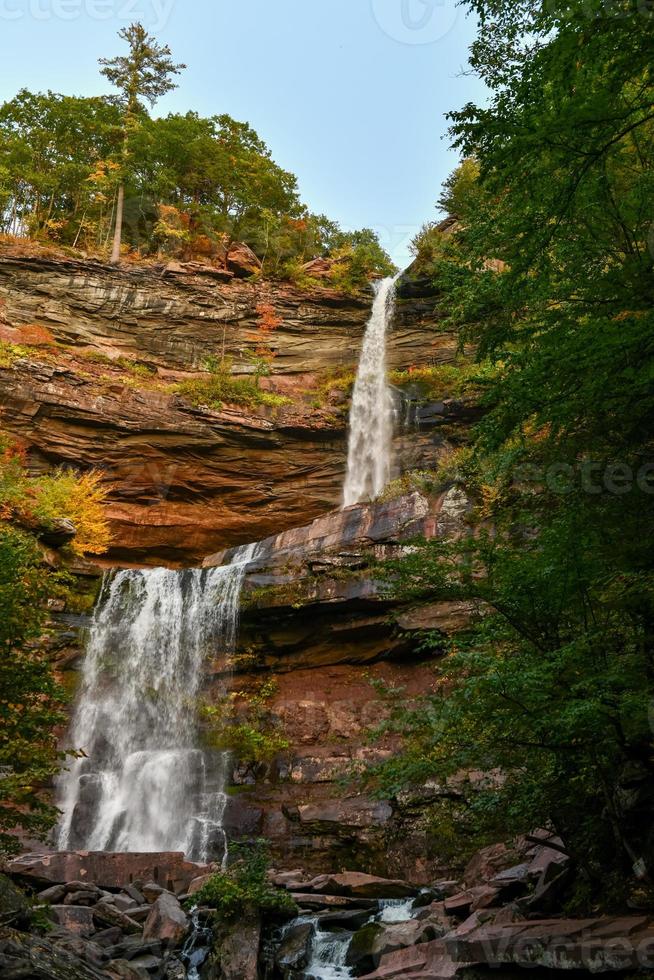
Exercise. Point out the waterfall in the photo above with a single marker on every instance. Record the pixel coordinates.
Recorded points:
(371, 414)
(143, 783)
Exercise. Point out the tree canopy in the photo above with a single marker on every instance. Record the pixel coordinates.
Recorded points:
(102, 175)
(547, 269)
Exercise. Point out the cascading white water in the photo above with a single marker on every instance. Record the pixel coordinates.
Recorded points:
(395, 910)
(143, 783)
(327, 950)
(371, 415)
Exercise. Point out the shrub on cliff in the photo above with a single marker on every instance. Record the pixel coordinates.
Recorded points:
(243, 889)
(243, 723)
(39, 503)
(220, 386)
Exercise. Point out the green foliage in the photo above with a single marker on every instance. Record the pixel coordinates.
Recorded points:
(40, 502)
(192, 185)
(10, 353)
(461, 189)
(339, 380)
(221, 387)
(31, 702)
(461, 379)
(54, 173)
(548, 272)
(79, 498)
(244, 889)
(547, 686)
(144, 73)
(242, 723)
(358, 257)
(415, 481)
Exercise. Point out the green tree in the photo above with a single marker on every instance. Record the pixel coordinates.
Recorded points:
(50, 147)
(144, 73)
(31, 702)
(548, 272)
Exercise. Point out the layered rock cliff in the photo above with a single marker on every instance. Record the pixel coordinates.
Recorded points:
(99, 349)
(92, 358)
(317, 617)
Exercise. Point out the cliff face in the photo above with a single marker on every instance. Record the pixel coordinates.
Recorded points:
(187, 481)
(316, 617)
(94, 354)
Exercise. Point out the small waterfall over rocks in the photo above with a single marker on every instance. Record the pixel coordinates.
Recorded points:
(371, 415)
(143, 784)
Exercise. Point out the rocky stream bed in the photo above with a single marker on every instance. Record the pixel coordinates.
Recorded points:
(104, 916)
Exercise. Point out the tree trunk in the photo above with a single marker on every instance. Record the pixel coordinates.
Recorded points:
(118, 227)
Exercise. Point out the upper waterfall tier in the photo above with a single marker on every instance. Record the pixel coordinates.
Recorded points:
(371, 415)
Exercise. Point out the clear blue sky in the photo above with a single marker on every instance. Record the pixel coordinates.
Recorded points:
(349, 94)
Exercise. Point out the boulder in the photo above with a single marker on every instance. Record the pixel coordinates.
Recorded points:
(53, 895)
(105, 914)
(197, 884)
(108, 937)
(352, 919)
(131, 947)
(480, 897)
(428, 961)
(107, 869)
(167, 920)
(78, 920)
(122, 970)
(361, 886)
(377, 939)
(134, 893)
(488, 862)
(125, 904)
(235, 954)
(242, 261)
(152, 891)
(140, 912)
(90, 952)
(81, 898)
(293, 880)
(13, 903)
(513, 878)
(293, 951)
(602, 945)
(26, 956)
(174, 969)
(310, 900)
(148, 963)
(362, 953)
